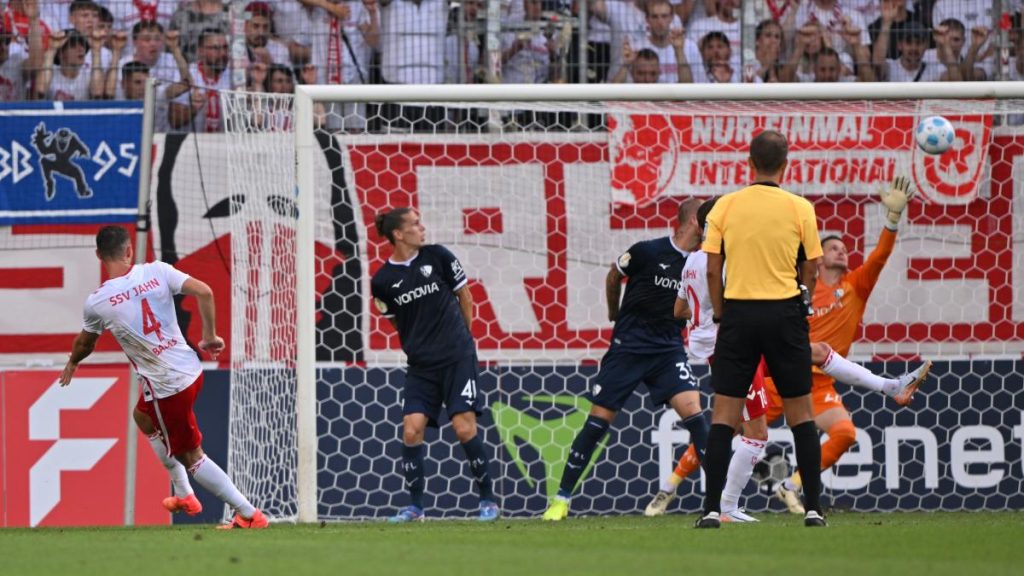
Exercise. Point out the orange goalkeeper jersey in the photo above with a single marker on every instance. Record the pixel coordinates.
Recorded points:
(839, 308)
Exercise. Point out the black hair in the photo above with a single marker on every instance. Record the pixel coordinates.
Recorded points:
(77, 5)
(144, 25)
(390, 221)
(134, 67)
(768, 151)
(647, 54)
(704, 210)
(111, 242)
(274, 68)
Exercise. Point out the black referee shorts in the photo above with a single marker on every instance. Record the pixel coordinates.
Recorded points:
(776, 329)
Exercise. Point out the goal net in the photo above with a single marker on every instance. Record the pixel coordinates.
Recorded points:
(537, 195)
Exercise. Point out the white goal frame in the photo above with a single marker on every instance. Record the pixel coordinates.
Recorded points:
(306, 149)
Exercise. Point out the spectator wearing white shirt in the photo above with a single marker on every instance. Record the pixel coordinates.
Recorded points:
(973, 66)
(719, 66)
(200, 109)
(835, 18)
(526, 54)
(83, 16)
(724, 20)
(769, 43)
(912, 41)
(896, 13)
(628, 22)
(128, 13)
(71, 69)
(191, 19)
(258, 43)
(17, 65)
(676, 53)
(462, 45)
(412, 52)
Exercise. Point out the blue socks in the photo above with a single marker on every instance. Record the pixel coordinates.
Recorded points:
(698, 427)
(412, 469)
(579, 454)
(478, 465)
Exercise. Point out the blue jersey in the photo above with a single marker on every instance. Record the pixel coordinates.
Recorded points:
(418, 296)
(645, 322)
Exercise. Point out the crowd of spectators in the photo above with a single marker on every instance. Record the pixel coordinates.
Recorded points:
(105, 49)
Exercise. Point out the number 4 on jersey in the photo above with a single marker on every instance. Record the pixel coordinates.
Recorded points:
(149, 322)
(469, 392)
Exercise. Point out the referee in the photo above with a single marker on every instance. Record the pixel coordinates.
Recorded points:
(770, 234)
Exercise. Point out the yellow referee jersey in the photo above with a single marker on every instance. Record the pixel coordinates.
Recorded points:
(761, 230)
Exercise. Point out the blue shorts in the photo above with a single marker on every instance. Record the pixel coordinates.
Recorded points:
(665, 374)
(453, 385)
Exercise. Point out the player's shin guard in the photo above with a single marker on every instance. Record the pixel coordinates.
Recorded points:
(741, 467)
(179, 476)
(412, 469)
(808, 459)
(698, 427)
(716, 464)
(580, 452)
(479, 466)
(211, 477)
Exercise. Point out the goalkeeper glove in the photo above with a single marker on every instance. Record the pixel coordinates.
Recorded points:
(895, 199)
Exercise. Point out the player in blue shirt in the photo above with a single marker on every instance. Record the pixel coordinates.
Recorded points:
(422, 289)
(647, 346)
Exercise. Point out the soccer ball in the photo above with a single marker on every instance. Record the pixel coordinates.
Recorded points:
(935, 135)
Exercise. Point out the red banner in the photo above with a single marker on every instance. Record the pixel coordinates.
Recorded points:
(64, 452)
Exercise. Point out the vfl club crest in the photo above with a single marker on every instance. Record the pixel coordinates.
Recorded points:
(426, 270)
(56, 153)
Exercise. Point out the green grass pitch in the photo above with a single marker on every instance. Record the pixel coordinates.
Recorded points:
(964, 544)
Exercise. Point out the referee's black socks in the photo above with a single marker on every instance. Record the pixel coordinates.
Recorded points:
(716, 465)
(808, 460)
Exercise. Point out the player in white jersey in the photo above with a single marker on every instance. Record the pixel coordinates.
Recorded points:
(137, 305)
(694, 298)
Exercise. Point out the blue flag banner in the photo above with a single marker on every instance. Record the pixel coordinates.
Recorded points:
(69, 162)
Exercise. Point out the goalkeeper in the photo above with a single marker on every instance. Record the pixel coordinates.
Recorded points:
(840, 298)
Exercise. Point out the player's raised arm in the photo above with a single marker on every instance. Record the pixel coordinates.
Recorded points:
(613, 292)
(84, 344)
(211, 343)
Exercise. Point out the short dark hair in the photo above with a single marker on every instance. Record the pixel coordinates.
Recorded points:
(687, 208)
(390, 221)
(714, 35)
(206, 33)
(111, 242)
(704, 210)
(104, 15)
(647, 54)
(77, 5)
(951, 23)
(768, 151)
(759, 30)
(274, 69)
(145, 25)
(828, 51)
(134, 67)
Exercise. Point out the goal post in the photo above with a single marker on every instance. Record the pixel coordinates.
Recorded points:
(537, 209)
